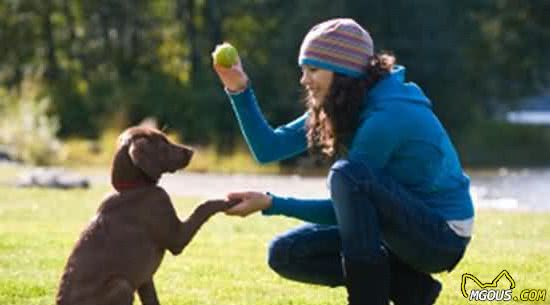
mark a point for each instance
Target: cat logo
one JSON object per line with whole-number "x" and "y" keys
{"x": 489, "y": 291}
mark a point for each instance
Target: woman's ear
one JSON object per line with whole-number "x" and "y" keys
{"x": 143, "y": 155}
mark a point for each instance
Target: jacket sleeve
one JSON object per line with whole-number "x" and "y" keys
{"x": 311, "y": 210}
{"x": 267, "y": 144}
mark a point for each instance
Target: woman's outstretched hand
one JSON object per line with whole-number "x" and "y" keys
{"x": 234, "y": 79}
{"x": 250, "y": 202}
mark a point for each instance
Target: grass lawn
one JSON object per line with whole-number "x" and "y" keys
{"x": 226, "y": 262}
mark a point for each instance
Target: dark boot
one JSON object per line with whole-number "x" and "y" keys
{"x": 411, "y": 287}
{"x": 367, "y": 281}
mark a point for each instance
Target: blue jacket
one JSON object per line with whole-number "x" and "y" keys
{"x": 398, "y": 133}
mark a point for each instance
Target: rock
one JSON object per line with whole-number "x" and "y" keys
{"x": 52, "y": 178}
{"x": 5, "y": 156}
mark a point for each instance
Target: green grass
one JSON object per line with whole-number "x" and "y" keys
{"x": 226, "y": 262}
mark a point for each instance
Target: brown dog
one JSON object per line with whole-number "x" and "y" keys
{"x": 123, "y": 246}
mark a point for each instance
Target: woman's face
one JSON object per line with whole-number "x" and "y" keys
{"x": 316, "y": 81}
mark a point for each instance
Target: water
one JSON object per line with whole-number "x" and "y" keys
{"x": 520, "y": 189}
{"x": 504, "y": 189}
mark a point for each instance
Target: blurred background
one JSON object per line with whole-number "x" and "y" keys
{"x": 74, "y": 73}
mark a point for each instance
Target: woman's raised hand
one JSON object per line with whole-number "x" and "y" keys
{"x": 250, "y": 202}
{"x": 234, "y": 78}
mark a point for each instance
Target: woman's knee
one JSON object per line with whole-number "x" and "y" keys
{"x": 278, "y": 256}
{"x": 293, "y": 248}
{"x": 347, "y": 176}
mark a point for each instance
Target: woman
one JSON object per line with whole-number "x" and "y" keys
{"x": 399, "y": 206}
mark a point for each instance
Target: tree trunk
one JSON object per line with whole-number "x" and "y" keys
{"x": 214, "y": 22}
{"x": 52, "y": 67}
{"x": 185, "y": 13}
{"x": 71, "y": 29}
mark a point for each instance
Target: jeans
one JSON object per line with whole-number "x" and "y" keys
{"x": 375, "y": 216}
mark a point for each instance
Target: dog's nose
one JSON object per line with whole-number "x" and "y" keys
{"x": 190, "y": 152}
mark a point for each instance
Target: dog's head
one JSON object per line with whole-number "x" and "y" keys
{"x": 143, "y": 155}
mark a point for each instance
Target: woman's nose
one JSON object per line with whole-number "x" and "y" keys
{"x": 304, "y": 80}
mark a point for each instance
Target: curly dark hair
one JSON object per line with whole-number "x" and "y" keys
{"x": 332, "y": 123}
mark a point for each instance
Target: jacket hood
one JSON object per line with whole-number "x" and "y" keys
{"x": 394, "y": 88}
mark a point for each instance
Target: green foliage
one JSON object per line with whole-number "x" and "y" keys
{"x": 26, "y": 128}
{"x": 102, "y": 60}
{"x": 508, "y": 49}
{"x": 493, "y": 143}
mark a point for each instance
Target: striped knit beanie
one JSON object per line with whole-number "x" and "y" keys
{"x": 339, "y": 45}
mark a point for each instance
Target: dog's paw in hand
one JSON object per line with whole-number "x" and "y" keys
{"x": 217, "y": 205}
{"x": 229, "y": 203}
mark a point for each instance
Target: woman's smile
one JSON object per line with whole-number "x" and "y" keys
{"x": 316, "y": 81}
{"x": 311, "y": 91}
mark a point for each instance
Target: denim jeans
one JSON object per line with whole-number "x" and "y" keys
{"x": 375, "y": 215}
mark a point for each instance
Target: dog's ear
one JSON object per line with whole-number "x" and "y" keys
{"x": 145, "y": 157}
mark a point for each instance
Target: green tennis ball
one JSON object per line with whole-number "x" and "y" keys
{"x": 225, "y": 55}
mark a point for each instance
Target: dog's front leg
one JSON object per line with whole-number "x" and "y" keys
{"x": 148, "y": 294}
{"x": 193, "y": 223}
